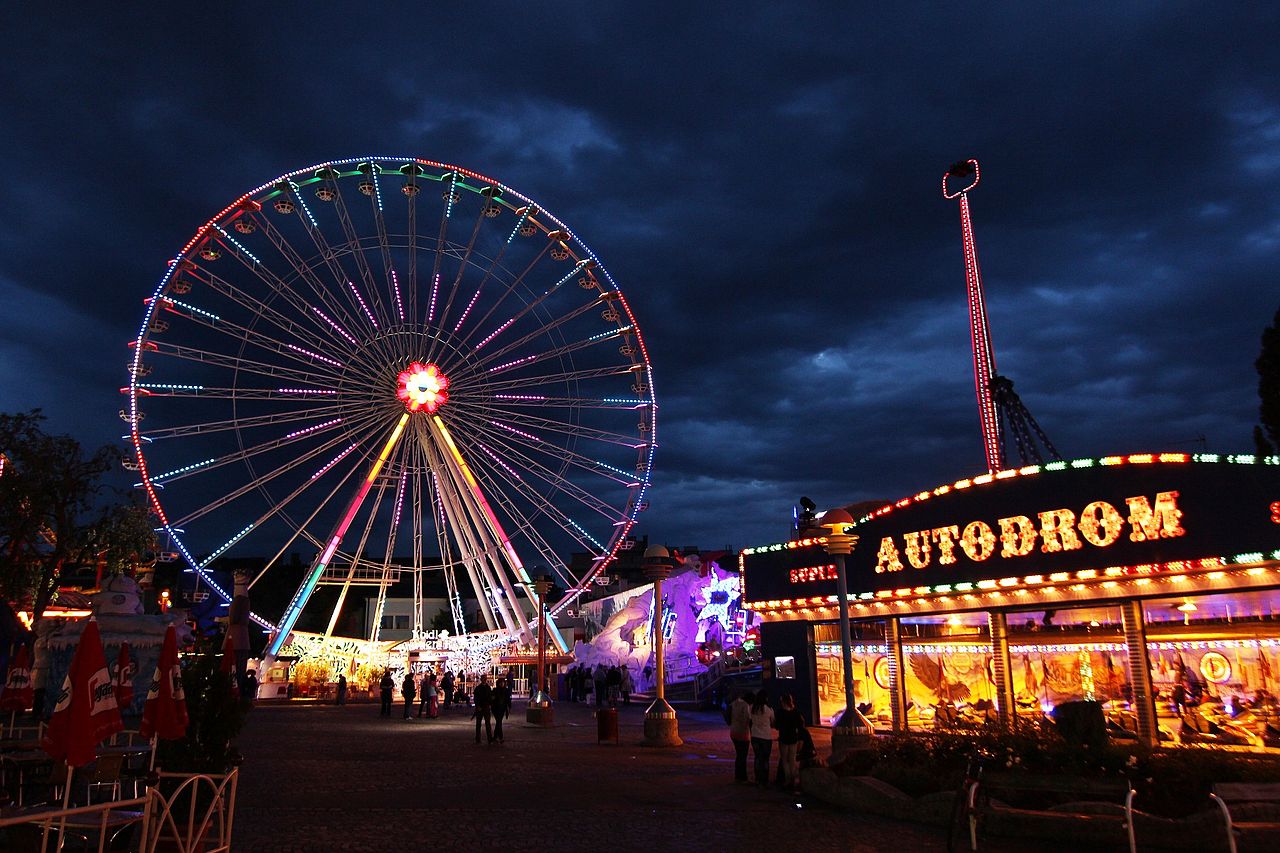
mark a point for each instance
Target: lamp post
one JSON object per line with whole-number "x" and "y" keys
{"x": 539, "y": 711}
{"x": 851, "y": 724}
{"x": 660, "y": 725}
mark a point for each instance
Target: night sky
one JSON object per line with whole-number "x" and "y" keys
{"x": 761, "y": 179}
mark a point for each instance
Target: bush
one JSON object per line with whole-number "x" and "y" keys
{"x": 215, "y": 717}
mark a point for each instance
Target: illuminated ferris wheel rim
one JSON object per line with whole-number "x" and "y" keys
{"x": 303, "y": 177}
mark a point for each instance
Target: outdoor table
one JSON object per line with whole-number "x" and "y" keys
{"x": 22, "y": 762}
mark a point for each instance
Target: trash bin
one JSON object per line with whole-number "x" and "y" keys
{"x": 606, "y": 725}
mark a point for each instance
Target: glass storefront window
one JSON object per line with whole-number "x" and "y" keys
{"x": 1069, "y": 655}
{"x": 1215, "y": 667}
{"x": 947, "y": 670}
{"x": 870, "y": 671}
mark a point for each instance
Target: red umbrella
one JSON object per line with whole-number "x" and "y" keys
{"x": 165, "y": 714}
{"x": 17, "y": 694}
{"x": 126, "y": 669}
{"x": 86, "y": 712}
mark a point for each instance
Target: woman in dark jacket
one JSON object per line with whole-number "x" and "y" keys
{"x": 789, "y": 722}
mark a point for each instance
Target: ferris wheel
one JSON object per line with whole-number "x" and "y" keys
{"x": 393, "y": 365}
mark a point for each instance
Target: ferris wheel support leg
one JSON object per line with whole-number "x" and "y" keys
{"x": 300, "y": 598}
{"x": 476, "y": 499}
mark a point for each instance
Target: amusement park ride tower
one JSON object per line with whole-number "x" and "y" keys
{"x": 997, "y": 401}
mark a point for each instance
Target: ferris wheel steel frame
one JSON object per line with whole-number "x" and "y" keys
{"x": 321, "y": 324}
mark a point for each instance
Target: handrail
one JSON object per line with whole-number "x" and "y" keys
{"x": 218, "y": 816}
{"x": 48, "y": 817}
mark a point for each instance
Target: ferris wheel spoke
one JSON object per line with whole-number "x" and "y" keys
{"x": 264, "y": 311}
{"x": 530, "y": 306}
{"x": 541, "y": 504}
{"x": 563, "y": 378}
{"x": 542, "y": 331}
{"x": 242, "y": 454}
{"x": 362, "y": 263}
{"x": 463, "y": 265}
{"x": 321, "y": 374}
{"x": 294, "y": 352}
{"x": 564, "y": 454}
{"x": 412, "y": 306}
{"x": 558, "y": 352}
{"x": 511, "y": 287}
{"x": 488, "y": 274}
{"x": 288, "y": 466}
{"x": 476, "y": 540}
{"x": 323, "y": 293}
{"x": 282, "y": 288}
{"x": 564, "y": 427}
{"x": 252, "y": 422}
{"x": 384, "y": 244}
{"x": 511, "y": 451}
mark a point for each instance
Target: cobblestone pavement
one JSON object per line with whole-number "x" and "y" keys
{"x": 324, "y": 778}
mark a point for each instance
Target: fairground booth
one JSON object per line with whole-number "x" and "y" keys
{"x": 1149, "y": 583}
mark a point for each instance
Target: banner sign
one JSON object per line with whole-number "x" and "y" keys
{"x": 1067, "y": 517}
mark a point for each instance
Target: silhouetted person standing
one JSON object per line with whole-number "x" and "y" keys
{"x": 387, "y": 685}
{"x": 501, "y": 707}
{"x": 409, "y": 690}
{"x": 342, "y": 690}
{"x": 484, "y": 707}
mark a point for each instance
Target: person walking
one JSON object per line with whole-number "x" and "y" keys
{"x": 740, "y": 733}
{"x": 613, "y": 683}
{"x": 598, "y": 682}
{"x": 501, "y": 708}
{"x": 789, "y": 721}
{"x": 387, "y": 685}
{"x": 762, "y": 726}
{"x": 409, "y": 691}
{"x": 483, "y": 697}
{"x": 446, "y": 684}
{"x": 628, "y": 684}
{"x": 342, "y": 691}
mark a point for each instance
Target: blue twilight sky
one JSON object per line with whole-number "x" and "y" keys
{"x": 761, "y": 178}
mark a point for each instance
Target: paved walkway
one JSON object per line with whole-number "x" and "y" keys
{"x": 323, "y": 778}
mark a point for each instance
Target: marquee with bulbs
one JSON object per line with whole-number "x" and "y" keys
{"x": 1141, "y": 524}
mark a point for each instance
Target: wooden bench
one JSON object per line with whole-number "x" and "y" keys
{"x": 978, "y": 802}
{"x": 1239, "y": 794}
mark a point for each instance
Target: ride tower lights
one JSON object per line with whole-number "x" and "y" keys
{"x": 984, "y": 357}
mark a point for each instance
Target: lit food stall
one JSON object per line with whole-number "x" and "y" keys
{"x": 1149, "y": 583}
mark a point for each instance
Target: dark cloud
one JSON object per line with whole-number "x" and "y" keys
{"x": 762, "y": 179}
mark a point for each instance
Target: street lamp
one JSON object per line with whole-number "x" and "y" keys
{"x": 660, "y": 725}
{"x": 539, "y": 711}
{"x": 840, "y": 544}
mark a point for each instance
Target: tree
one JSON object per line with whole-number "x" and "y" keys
{"x": 48, "y": 493}
{"x": 1267, "y": 434}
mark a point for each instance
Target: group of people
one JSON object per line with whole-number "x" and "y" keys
{"x": 428, "y": 688}
{"x": 754, "y": 725}
{"x": 608, "y": 684}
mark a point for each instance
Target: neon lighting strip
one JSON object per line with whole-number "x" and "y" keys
{"x": 236, "y": 243}
{"x": 218, "y": 553}
{"x": 303, "y": 205}
{"x": 304, "y": 391}
{"x": 294, "y": 610}
{"x": 363, "y": 307}
{"x": 435, "y": 290}
{"x": 299, "y": 432}
{"x": 190, "y": 467}
{"x": 336, "y": 327}
{"x": 395, "y": 288}
{"x": 316, "y": 356}
{"x": 193, "y": 309}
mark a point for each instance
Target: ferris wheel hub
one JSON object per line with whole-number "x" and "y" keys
{"x": 423, "y": 387}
